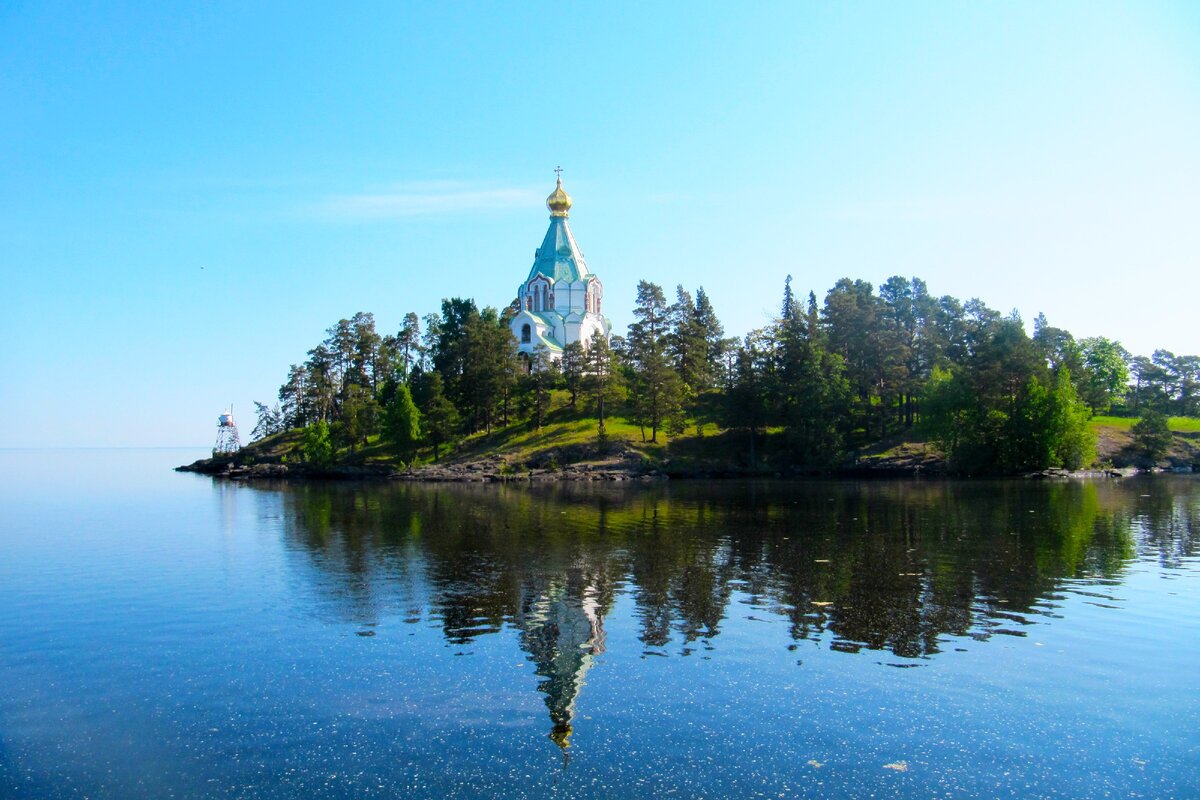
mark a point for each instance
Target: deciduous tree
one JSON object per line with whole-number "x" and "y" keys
{"x": 402, "y": 424}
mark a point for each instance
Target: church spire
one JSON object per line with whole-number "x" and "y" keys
{"x": 559, "y": 202}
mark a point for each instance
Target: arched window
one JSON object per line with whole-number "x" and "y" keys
{"x": 526, "y": 334}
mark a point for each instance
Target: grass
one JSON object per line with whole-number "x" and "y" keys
{"x": 1176, "y": 424}
{"x": 561, "y": 429}
{"x": 565, "y": 430}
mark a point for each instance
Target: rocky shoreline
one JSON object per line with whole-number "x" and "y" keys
{"x": 474, "y": 472}
{"x": 496, "y": 470}
{"x": 493, "y": 469}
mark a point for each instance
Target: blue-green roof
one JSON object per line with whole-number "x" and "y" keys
{"x": 549, "y": 341}
{"x": 544, "y": 338}
{"x": 559, "y": 258}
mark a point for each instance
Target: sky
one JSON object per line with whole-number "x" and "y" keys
{"x": 190, "y": 194}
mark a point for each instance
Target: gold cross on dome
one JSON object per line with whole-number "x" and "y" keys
{"x": 558, "y": 172}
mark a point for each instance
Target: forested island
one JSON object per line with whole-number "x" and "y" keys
{"x": 890, "y": 380}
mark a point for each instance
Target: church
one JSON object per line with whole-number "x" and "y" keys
{"x": 559, "y": 303}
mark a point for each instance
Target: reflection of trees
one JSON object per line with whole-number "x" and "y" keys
{"x": 1165, "y": 517}
{"x": 883, "y": 566}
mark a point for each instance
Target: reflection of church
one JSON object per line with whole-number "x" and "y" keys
{"x": 562, "y": 629}
{"x": 559, "y": 303}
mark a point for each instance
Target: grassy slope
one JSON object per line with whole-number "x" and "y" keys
{"x": 1115, "y": 440}
{"x": 569, "y": 436}
{"x": 1177, "y": 424}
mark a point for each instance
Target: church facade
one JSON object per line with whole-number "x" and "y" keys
{"x": 560, "y": 301}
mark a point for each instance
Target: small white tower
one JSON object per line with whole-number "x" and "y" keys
{"x": 228, "y": 441}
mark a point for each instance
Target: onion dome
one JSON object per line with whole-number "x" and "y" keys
{"x": 559, "y": 202}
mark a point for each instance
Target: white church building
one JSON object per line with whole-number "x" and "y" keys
{"x": 559, "y": 303}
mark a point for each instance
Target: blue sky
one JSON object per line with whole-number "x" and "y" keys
{"x": 190, "y": 194}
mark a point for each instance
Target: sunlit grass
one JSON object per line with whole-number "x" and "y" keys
{"x": 1177, "y": 424}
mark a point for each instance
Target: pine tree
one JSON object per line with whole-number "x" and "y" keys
{"x": 807, "y": 386}
{"x": 657, "y": 391}
{"x": 715, "y": 343}
{"x": 602, "y": 379}
{"x": 359, "y": 413}
{"x": 489, "y": 369}
{"x": 293, "y": 396}
{"x": 439, "y": 415}
{"x": 748, "y": 399}
{"x": 573, "y": 368}
{"x": 408, "y": 346}
{"x": 270, "y": 420}
{"x": 544, "y": 376}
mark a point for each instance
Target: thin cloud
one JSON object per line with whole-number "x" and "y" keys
{"x": 423, "y": 199}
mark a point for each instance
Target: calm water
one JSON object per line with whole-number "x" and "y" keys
{"x": 165, "y": 635}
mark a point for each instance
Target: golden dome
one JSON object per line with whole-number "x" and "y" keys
{"x": 559, "y": 202}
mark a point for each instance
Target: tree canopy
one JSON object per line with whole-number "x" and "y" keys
{"x": 817, "y": 383}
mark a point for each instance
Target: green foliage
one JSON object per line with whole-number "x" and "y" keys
{"x": 1073, "y": 442}
{"x": 748, "y": 399}
{"x": 811, "y": 392}
{"x": 439, "y": 414}
{"x": 1106, "y": 373}
{"x": 948, "y": 406}
{"x": 359, "y": 416}
{"x": 1152, "y": 435}
{"x": 686, "y": 343}
{"x": 270, "y": 421}
{"x": 657, "y": 392}
{"x": 489, "y": 370}
{"x": 572, "y": 369}
{"x": 1003, "y": 411}
{"x": 544, "y": 376}
{"x": 317, "y": 444}
{"x": 602, "y": 380}
{"x": 816, "y": 382}
{"x": 1167, "y": 383}
{"x": 409, "y": 351}
{"x": 402, "y": 423}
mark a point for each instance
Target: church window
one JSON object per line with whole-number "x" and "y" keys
{"x": 526, "y": 334}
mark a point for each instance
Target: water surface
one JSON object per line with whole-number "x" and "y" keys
{"x": 167, "y": 635}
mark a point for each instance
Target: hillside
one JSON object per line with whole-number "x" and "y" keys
{"x": 567, "y": 446}
{"x": 1115, "y": 442}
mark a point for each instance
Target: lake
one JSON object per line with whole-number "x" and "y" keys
{"x": 171, "y": 635}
